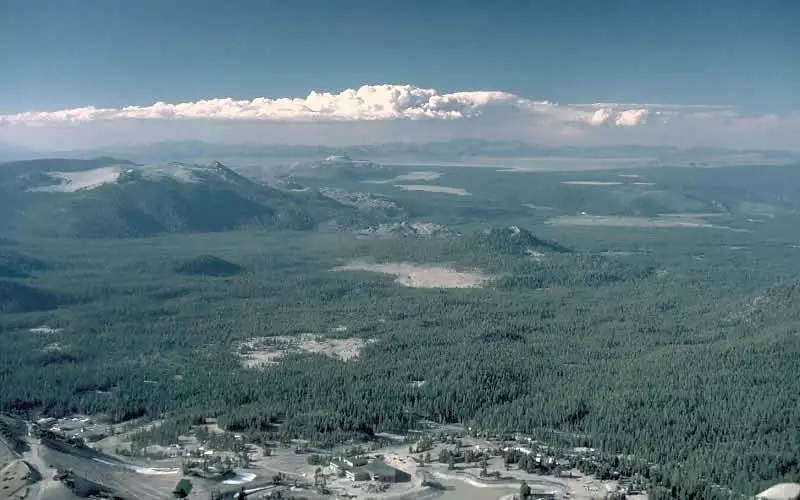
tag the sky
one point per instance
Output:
(88, 73)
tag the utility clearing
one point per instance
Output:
(420, 276)
(264, 351)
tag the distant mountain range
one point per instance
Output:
(443, 151)
(108, 197)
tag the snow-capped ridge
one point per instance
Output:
(84, 180)
(186, 173)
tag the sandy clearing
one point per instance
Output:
(645, 222)
(265, 351)
(693, 215)
(417, 175)
(69, 182)
(592, 183)
(434, 189)
(422, 276)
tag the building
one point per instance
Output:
(380, 471)
(182, 489)
(354, 461)
(357, 474)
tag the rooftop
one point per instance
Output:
(380, 468)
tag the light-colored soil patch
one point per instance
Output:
(69, 182)
(692, 215)
(644, 222)
(434, 189)
(592, 183)
(265, 351)
(620, 221)
(418, 175)
(420, 276)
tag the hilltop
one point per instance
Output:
(106, 197)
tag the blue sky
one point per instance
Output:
(59, 55)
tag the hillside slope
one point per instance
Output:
(105, 197)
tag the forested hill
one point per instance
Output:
(669, 343)
(109, 198)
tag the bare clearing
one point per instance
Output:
(592, 183)
(692, 215)
(434, 189)
(264, 351)
(69, 182)
(419, 276)
(418, 175)
(645, 222)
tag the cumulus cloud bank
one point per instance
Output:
(369, 102)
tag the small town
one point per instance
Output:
(95, 458)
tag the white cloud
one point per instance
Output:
(368, 103)
(631, 117)
(405, 113)
(601, 116)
